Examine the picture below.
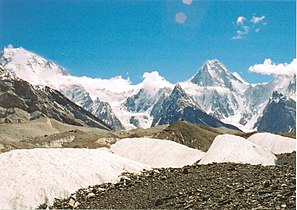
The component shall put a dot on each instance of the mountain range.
(214, 96)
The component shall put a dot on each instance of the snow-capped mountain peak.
(178, 95)
(215, 65)
(214, 73)
(30, 66)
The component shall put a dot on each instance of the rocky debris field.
(214, 186)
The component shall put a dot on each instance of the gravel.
(213, 186)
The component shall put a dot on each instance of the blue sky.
(107, 38)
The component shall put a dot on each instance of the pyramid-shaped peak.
(177, 87)
(179, 94)
(214, 61)
(178, 90)
(213, 66)
(214, 73)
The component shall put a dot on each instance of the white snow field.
(275, 143)
(32, 177)
(156, 153)
(230, 148)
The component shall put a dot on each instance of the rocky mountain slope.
(20, 102)
(179, 106)
(121, 105)
(103, 111)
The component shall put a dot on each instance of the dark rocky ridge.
(279, 115)
(214, 186)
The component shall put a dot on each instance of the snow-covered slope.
(218, 101)
(77, 94)
(275, 143)
(29, 66)
(32, 177)
(156, 153)
(230, 148)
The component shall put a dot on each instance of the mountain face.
(77, 94)
(20, 101)
(258, 96)
(219, 102)
(142, 100)
(213, 90)
(218, 91)
(179, 106)
(98, 108)
(103, 111)
(279, 115)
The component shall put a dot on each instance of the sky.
(108, 38)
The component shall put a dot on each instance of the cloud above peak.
(246, 26)
(270, 68)
(153, 79)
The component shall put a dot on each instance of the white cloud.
(240, 20)
(270, 68)
(188, 2)
(153, 79)
(241, 33)
(256, 20)
(94, 85)
(237, 37)
(180, 17)
(245, 26)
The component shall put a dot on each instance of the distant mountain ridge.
(214, 89)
